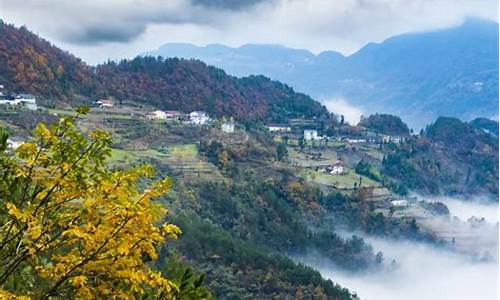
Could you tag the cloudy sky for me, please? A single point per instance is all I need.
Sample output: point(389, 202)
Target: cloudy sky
point(96, 30)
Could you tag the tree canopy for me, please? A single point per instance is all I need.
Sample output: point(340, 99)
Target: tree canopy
point(71, 226)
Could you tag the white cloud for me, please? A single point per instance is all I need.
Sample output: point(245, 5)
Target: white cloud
point(97, 30)
point(352, 114)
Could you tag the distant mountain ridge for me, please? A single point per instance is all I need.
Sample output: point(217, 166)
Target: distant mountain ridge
point(418, 76)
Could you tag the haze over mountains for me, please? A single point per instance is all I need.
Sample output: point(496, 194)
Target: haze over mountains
point(419, 76)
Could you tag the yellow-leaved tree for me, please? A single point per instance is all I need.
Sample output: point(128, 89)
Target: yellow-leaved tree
point(70, 226)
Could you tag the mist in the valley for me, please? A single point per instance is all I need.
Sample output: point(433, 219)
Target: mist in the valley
point(423, 271)
point(340, 106)
point(478, 207)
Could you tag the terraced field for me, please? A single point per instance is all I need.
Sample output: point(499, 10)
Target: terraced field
point(339, 181)
point(182, 160)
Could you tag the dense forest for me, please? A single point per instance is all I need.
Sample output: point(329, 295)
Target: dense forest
point(384, 123)
point(449, 157)
point(29, 63)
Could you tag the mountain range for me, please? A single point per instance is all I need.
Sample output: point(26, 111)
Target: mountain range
point(418, 76)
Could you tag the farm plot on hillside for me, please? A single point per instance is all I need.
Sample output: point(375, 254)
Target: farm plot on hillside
point(182, 161)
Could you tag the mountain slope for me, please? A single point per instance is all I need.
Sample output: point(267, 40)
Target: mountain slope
point(31, 64)
point(192, 85)
point(418, 76)
point(450, 158)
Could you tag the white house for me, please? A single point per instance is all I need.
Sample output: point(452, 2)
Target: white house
point(198, 117)
point(279, 128)
point(105, 103)
point(399, 203)
point(27, 100)
point(157, 115)
point(396, 139)
point(392, 139)
point(8, 102)
point(310, 135)
point(227, 127)
point(336, 169)
point(355, 140)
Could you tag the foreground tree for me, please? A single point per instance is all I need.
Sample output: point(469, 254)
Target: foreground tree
point(72, 227)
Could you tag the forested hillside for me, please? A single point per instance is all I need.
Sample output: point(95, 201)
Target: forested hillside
point(190, 85)
point(31, 64)
point(450, 157)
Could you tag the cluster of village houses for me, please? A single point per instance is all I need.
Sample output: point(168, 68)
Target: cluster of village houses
point(199, 118)
point(335, 167)
point(22, 99)
point(312, 135)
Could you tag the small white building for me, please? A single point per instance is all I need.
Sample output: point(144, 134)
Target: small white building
point(227, 127)
point(310, 135)
point(336, 169)
point(198, 118)
point(157, 115)
point(356, 140)
point(399, 203)
point(8, 102)
point(391, 139)
point(279, 128)
point(27, 100)
point(105, 103)
point(396, 139)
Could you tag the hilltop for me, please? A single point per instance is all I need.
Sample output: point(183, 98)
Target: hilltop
point(30, 63)
point(417, 76)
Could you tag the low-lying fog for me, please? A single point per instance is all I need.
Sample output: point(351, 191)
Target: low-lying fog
point(425, 272)
point(465, 209)
point(340, 106)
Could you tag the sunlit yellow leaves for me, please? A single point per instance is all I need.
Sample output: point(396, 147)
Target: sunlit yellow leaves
point(171, 230)
point(43, 132)
point(79, 280)
point(26, 150)
point(87, 231)
point(123, 249)
point(17, 213)
point(8, 296)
